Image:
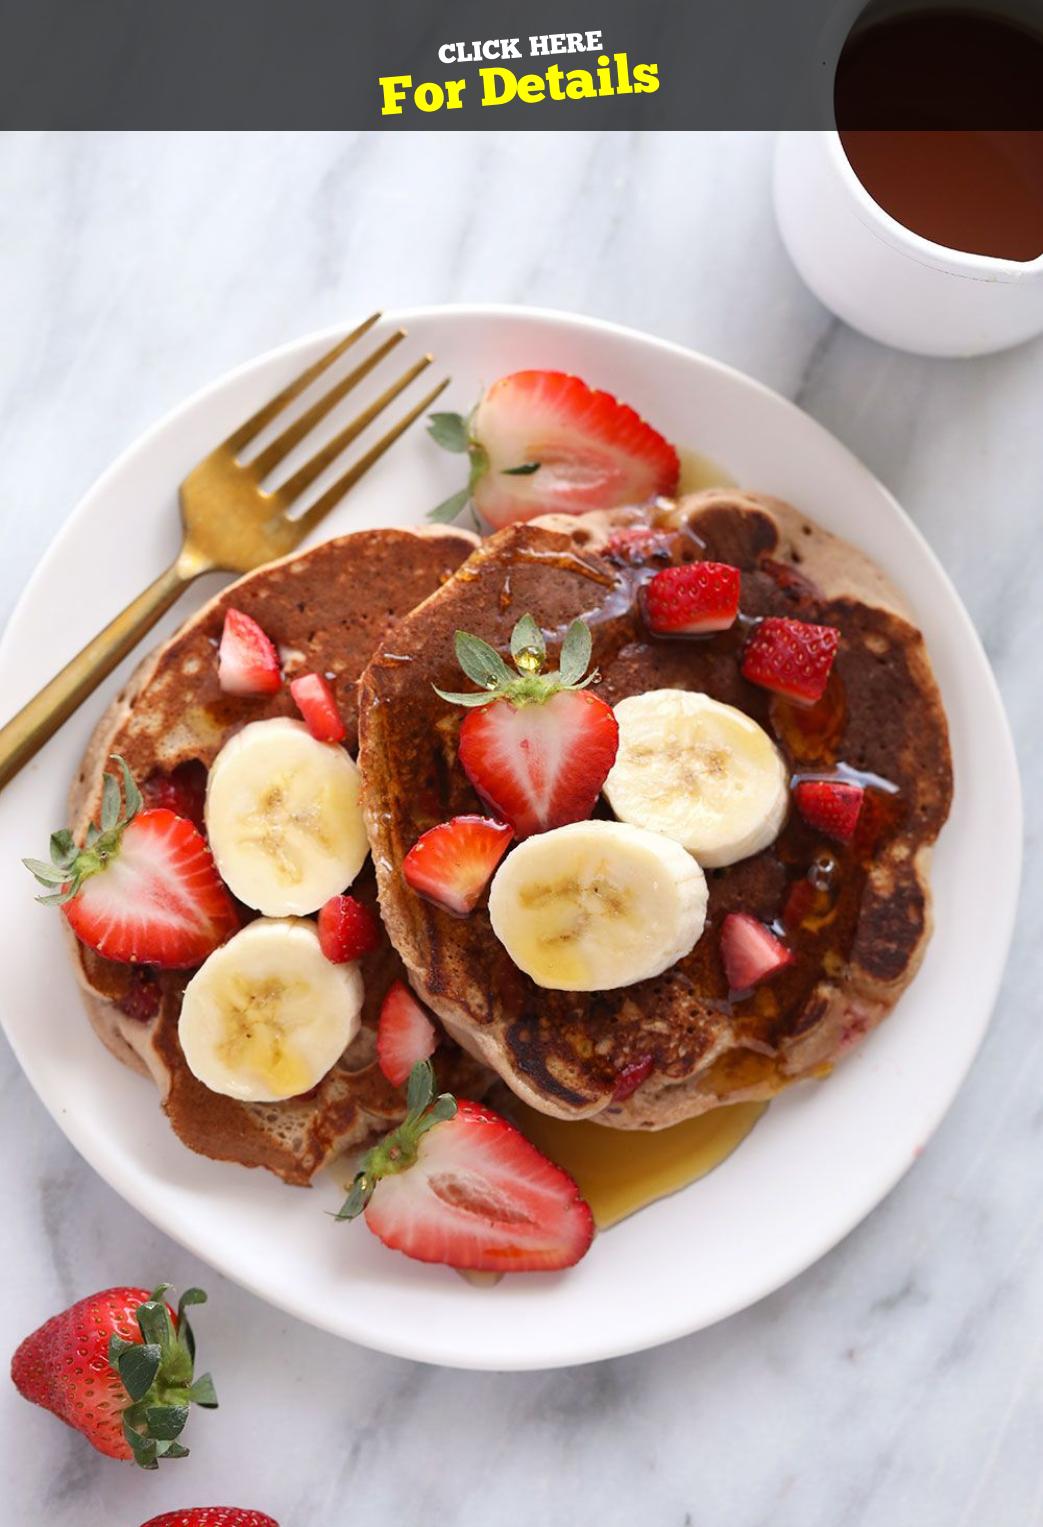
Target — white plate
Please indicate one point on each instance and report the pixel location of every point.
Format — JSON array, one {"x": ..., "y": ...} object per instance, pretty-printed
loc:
[{"x": 824, "y": 1155}]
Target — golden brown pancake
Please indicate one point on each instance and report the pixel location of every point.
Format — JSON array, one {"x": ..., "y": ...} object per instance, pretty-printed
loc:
[
  {"x": 326, "y": 610},
  {"x": 857, "y": 918}
]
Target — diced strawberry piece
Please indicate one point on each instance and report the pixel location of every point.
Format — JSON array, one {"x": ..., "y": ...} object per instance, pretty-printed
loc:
[
  {"x": 540, "y": 766},
  {"x": 635, "y": 544},
  {"x": 791, "y": 657},
  {"x": 631, "y": 1077},
  {"x": 347, "y": 930},
  {"x": 750, "y": 951},
  {"x": 247, "y": 662},
  {"x": 405, "y": 1034},
  {"x": 453, "y": 863},
  {"x": 693, "y": 598},
  {"x": 831, "y": 806},
  {"x": 313, "y": 695},
  {"x": 480, "y": 1196},
  {"x": 141, "y": 1001},
  {"x": 182, "y": 791},
  {"x": 158, "y": 901},
  {"x": 801, "y": 901},
  {"x": 583, "y": 450}
]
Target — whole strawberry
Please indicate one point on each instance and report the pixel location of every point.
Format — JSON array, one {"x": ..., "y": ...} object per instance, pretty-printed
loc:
[
  {"x": 118, "y": 1367},
  {"x": 211, "y": 1516}
]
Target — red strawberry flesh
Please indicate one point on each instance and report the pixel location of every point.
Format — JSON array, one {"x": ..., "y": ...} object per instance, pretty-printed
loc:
[
  {"x": 791, "y": 657},
  {"x": 212, "y": 1516},
  {"x": 694, "y": 598},
  {"x": 831, "y": 806},
  {"x": 347, "y": 930},
  {"x": 159, "y": 900},
  {"x": 479, "y": 1196},
  {"x": 182, "y": 791},
  {"x": 405, "y": 1034},
  {"x": 452, "y": 863},
  {"x": 313, "y": 695},
  {"x": 540, "y": 766},
  {"x": 631, "y": 1076},
  {"x": 247, "y": 662},
  {"x": 750, "y": 951},
  {"x": 590, "y": 451}
]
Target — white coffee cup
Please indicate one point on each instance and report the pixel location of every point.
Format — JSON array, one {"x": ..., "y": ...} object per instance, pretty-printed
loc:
[{"x": 882, "y": 278}]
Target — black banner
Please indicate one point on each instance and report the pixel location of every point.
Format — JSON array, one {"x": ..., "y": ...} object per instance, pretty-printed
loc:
[{"x": 414, "y": 64}]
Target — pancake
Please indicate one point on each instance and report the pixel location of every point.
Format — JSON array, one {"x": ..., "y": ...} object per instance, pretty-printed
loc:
[
  {"x": 864, "y": 911},
  {"x": 326, "y": 610}
]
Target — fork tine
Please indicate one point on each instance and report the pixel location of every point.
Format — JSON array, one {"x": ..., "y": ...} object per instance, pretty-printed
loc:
[
  {"x": 302, "y": 479},
  {"x": 256, "y": 423},
  {"x": 322, "y": 506},
  {"x": 283, "y": 444}
]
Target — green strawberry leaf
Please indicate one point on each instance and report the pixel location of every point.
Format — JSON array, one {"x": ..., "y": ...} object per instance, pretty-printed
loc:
[
  {"x": 447, "y": 511},
  {"x": 470, "y": 700},
  {"x": 203, "y": 1392},
  {"x": 420, "y": 1088},
  {"x": 166, "y": 1422},
  {"x": 111, "y": 801},
  {"x": 575, "y": 653},
  {"x": 450, "y": 431},
  {"x": 137, "y": 1366},
  {"x": 528, "y": 638},
  {"x": 482, "y": 664}
]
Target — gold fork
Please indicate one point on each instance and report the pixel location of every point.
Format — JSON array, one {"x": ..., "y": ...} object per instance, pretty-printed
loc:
[{"x": 230, "y": 525}]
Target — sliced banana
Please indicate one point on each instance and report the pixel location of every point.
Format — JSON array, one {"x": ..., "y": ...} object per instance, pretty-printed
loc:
[
  {"x": 701, "y": 772},
  {"x": 283, "y": 818},
  {"x": 267, "y": 1015},
  {"x": 597, "y": 905}
]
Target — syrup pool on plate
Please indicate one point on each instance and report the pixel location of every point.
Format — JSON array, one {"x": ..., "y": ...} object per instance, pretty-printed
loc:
[{"x": 619, "y": 1171}]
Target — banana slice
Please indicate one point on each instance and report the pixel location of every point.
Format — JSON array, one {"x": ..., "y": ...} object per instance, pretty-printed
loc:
[
  {"x": 283, "y": 818},
  {"x": 701, "y": 772},
  {"x": 597, "y": 905},
  {"x": 267, "y": 1014}
]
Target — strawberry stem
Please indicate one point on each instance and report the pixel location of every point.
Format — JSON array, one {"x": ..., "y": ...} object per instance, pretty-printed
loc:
[
  {"x": 529, "y": 684},
  {"x": 398, "y": 1150},
  {"x": 157, "y": 1374},
  {"x": 71, "y": 866}
]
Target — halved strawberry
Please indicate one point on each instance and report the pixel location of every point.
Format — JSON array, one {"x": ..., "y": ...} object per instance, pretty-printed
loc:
[
  {"x": 143, "y": 888},
  {"x": 347, "y": 930},
  {"x": 750, "y": 951},
  {"x": 692, "y": 599},
  {"x": 313, "y": 695},
  {"x": 791, "y": 657},
  {"x": 458, "y": 1184},
  {"x": 405, "y": 1034},
  {"x": 542, "y": 442},
  {"x": 536, "y": 746},
  {"x": 831, "y": 806},
  {"x": 247, "y": 662},
  {"x": 452, "y": 863}
]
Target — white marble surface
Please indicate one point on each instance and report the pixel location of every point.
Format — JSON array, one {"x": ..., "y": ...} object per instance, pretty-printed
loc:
[{"x": 897, "y": 1382}]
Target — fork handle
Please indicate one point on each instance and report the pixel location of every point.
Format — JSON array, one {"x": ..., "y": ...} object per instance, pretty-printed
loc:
[{"x": 25, "y": 734}]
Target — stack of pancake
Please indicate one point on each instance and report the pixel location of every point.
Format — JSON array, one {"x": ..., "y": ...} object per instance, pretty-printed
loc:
[{"x": 377, "y": 612}]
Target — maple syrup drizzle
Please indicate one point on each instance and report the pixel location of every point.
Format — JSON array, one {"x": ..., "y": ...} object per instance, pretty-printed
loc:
[{"x": 620, "y": 1171}]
